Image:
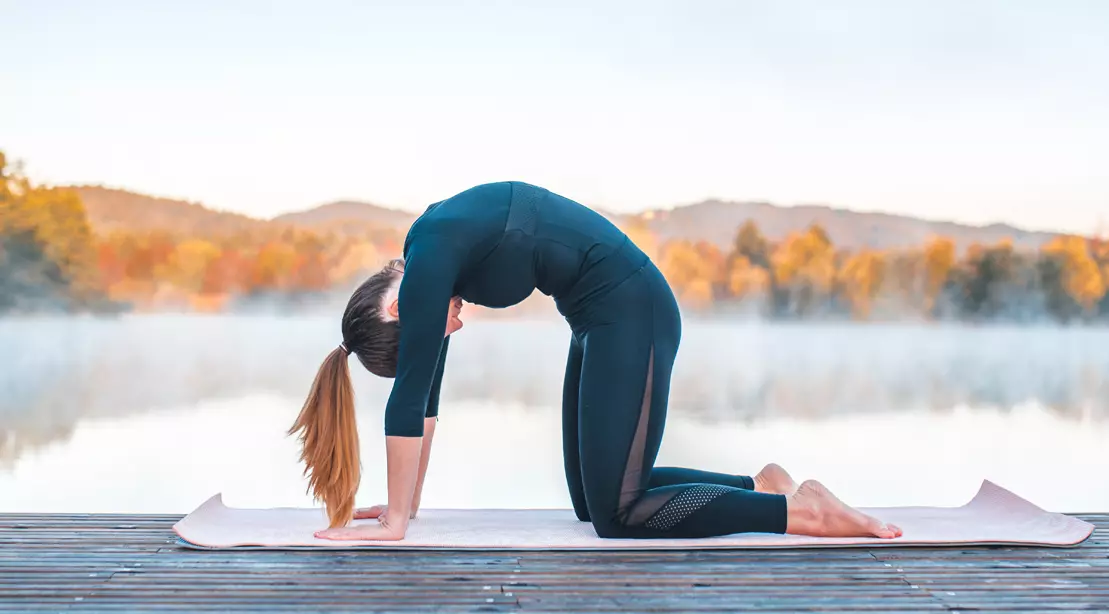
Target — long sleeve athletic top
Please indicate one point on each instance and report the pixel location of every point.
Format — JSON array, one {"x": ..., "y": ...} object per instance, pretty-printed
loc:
[{"x": 493, "y": 245}]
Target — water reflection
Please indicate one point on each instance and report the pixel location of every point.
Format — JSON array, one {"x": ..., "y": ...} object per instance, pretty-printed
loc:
[
  {"x": 503, "y": 455},
  {"x": 59, "y": 373}
]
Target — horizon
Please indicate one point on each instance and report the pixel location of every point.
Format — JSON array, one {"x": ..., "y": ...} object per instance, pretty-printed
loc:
[
  {"x": 974, "y": 113},
  {"x": 1100, "y": 230}
]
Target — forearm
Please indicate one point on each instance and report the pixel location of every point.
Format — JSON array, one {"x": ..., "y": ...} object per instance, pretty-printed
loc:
[
  {"x": 403, "y": 459},
  {"x": 425, "y": 455}
]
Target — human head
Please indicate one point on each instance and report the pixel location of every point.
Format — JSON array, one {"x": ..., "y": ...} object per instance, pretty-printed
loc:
[
  {"x": 370, "y": 326},
  {"x": 371, "y": 323},
  {"x": 328, "y": 431}
]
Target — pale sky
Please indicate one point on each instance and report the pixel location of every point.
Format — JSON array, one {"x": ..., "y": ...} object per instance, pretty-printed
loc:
[{"x": 972, "y": 110}]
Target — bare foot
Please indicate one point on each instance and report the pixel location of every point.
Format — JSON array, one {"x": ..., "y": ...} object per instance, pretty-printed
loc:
[
  {"x": 814, "y": 510},
  {"x": 775, "y": 480}
]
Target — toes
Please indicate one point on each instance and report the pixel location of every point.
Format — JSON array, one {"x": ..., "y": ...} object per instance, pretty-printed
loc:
[
  {"x": 885, "y": 531},
  {"x": 813, "y": 485},
  {"x": 782, "y": 470},
  {"x": 809, "y": 487}
]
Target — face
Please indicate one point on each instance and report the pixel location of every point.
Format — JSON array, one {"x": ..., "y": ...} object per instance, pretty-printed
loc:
[
  {"x": 453, "y": 320},
  {"x": 454, "y": 311}
]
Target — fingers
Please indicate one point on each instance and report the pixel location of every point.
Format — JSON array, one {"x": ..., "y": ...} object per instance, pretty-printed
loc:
[
  {"x": 363, "y": 532},
  {"x": 369, "y": 512},
  {"x": 338, "y": 534}
]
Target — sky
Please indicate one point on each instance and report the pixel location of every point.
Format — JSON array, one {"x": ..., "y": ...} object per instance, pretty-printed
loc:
[{"x": 970, "y": 110}]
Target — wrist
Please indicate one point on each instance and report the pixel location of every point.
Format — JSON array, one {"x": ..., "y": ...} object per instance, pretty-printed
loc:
[{"x": 398, "y": 519}]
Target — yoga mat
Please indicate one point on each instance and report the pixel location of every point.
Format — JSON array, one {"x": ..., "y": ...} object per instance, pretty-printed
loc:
[{"x": 994, "y": 516}]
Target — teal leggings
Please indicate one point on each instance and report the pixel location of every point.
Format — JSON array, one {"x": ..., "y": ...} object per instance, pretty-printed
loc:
[{"x": 614, "y": 409}]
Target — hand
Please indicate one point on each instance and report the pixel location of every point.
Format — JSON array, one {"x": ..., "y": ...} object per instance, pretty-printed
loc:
[
  {"x": 378, "y": 511},
  {"x": 382, "y": 530}
]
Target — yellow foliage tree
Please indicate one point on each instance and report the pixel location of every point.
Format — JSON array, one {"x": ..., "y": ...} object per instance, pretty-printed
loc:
[
  {"x": 47, "y": 255},
  {"x": 860, "y": 279},
  {"x": 188, "y": 264},
  {"x": 1081, "y": 279},
  {"x": 805, "y": 265},
  {"x": 939, "y": 258},
  {"x": 273, "y": 267},
  {"x": 689, "y": 272},
  {"x": 747, "y": 280},
  {"x": 356, "y": 260}
]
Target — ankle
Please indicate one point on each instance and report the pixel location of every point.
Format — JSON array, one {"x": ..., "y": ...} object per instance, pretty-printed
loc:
[
  {"x": 800, "y": 517},
  {"x": 760, "y": 483}
]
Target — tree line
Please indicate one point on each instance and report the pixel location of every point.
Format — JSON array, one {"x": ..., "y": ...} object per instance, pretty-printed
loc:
[
  {"x": 804, "y": 276},
  {"x": 51, "y": 259}
]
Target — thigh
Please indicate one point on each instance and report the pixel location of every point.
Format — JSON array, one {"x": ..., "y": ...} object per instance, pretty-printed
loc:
[
  {"x": 622, "y": 401},
  {"x": 614, "y": 412}
]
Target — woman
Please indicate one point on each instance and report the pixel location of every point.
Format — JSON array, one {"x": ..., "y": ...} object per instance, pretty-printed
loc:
[{"x": 493, "y": 245}]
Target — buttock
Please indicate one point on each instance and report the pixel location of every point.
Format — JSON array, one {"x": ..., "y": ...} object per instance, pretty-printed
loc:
[{"x": 643, "y": 300}]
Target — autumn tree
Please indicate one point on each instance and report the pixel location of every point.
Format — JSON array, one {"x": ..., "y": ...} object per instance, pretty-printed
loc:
[
  {"x": 1099, "y": 248},
  {"x": 692, "y": 270},
  {"x": 272, "y": 267},
  {"x": 859, "y": 281},
  {"x": 46, "y": 248},
  {"x": 988, "y": 280},
  {"x": 188, "y": 263},
  {"x": 804, "y": 271},
  {"x": 747, "y": 281},
  {"x": 1072, "y": 280},
  {"x": 939, "y": 259},
  {"x": 310, "y": 267},
  {"x": 747, "y": 267},
  {"x": 353, "y": 262}
]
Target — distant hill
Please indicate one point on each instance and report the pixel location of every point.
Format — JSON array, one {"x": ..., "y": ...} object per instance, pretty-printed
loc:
[
  {"x": 711, "y": 220},
  {"x": 111, "y": 209},
  {"x": 349, "y": 210},
  {"x": 349, "y": 217},
  {"x": 716, "y": 221}
]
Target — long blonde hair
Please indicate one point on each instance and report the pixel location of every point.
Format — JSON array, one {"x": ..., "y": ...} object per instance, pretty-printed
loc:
[
  {"x": 327, "y": 425},
  {"x": 329, "y": 436}
]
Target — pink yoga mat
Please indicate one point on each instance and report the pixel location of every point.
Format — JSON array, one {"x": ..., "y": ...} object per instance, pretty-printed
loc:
[{"x": 994, "y": 516}]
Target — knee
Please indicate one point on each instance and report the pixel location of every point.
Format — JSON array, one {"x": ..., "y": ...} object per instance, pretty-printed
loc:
[
  {"x": 614, "y": 527},
  {"x": 608, "y": 530}
]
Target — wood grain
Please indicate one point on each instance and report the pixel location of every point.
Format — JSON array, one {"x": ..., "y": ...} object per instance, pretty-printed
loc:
[{"x": 121, "y": 562}]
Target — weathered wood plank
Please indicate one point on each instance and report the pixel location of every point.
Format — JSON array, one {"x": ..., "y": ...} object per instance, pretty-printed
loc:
[{"x": 122, "y": 562}]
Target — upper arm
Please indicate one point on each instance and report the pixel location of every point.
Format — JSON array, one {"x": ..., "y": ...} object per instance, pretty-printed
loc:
[
  {"x": 430, "y": 272},
  {"x": 437, "y": 381}
]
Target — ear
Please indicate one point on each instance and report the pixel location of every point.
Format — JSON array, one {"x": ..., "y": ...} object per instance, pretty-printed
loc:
[{"x": 392, "y": 301}]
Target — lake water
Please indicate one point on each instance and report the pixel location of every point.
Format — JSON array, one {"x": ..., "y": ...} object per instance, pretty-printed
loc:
[{"x": 157, "y": 413}]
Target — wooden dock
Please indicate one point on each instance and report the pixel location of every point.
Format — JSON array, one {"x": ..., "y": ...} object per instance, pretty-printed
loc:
[{"x": 102, "y": 562}]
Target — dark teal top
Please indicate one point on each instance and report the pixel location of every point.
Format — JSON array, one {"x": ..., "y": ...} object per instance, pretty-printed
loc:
[{"x": 493, "y": 245}]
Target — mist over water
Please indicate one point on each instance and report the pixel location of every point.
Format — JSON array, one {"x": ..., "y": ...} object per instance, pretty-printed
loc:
[{"x": 158, "y": 412}]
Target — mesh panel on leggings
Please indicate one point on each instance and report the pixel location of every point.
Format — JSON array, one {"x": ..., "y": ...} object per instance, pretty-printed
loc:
[{"x": 683, "y": 504}]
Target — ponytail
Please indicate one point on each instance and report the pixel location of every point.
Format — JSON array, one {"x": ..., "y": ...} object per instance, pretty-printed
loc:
[{"x": 329, "y": 436}]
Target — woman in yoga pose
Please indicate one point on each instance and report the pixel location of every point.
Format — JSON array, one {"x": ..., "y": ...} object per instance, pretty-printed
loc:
[{"x": 493, "y": 245}]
